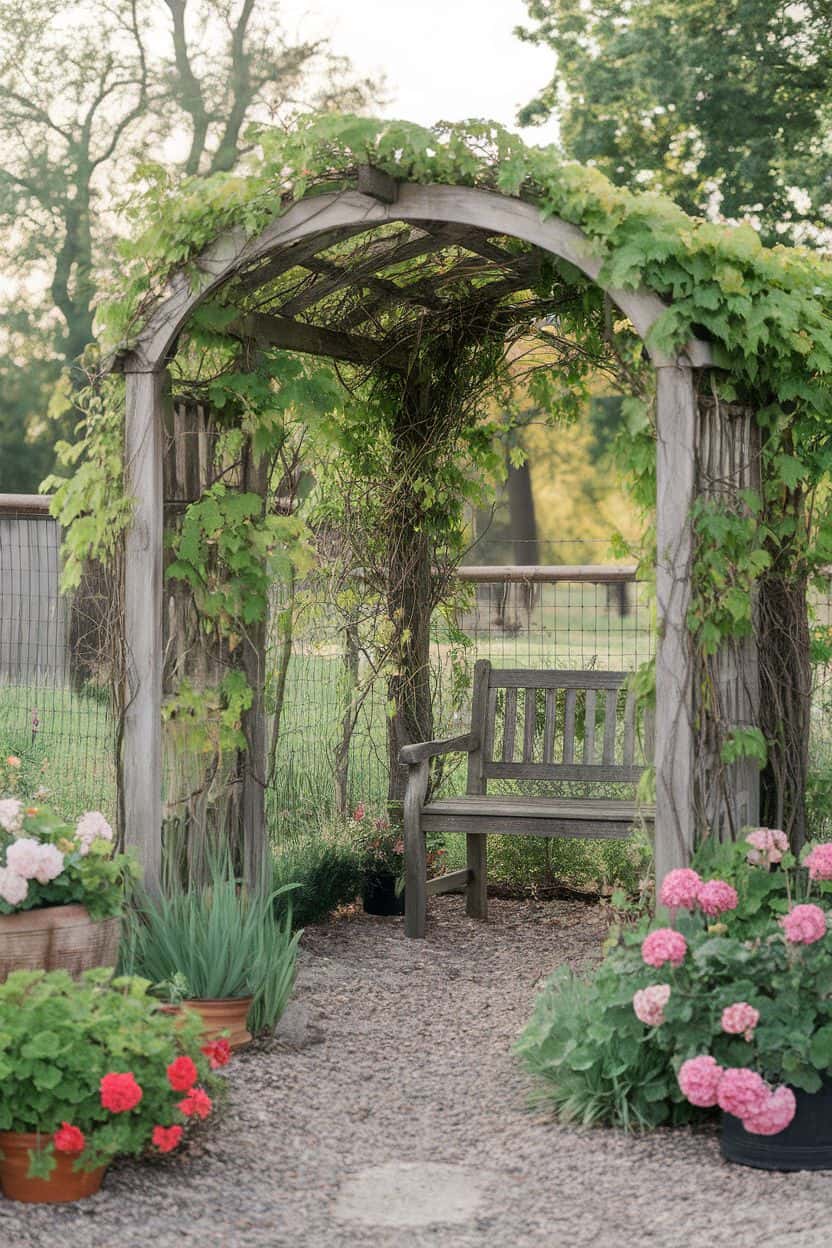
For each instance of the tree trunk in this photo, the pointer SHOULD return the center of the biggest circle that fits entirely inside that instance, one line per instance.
(523, 523)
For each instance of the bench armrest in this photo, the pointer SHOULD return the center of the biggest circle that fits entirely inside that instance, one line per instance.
(413, 754)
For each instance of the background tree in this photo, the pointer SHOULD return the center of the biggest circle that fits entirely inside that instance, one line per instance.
(85, 91)
(723, 104)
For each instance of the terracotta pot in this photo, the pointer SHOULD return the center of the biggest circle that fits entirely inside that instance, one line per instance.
(225, 1014)
(57, 938)
(63, 1184)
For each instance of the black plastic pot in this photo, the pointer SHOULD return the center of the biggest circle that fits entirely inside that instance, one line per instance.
(806, 1143)
(379, 894)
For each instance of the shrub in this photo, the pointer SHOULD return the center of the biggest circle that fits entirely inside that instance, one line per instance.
(91, 1061)
(325, 872)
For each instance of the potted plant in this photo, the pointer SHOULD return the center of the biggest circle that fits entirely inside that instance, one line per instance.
(217, 950)
(91, 1069)
(381, 850)
(62, 888)
(725, 1005)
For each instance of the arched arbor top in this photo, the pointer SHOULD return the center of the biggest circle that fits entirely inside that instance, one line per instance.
(357, 275)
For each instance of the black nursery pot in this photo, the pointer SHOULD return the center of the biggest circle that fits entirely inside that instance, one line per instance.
(806, 1143)
(379, 894)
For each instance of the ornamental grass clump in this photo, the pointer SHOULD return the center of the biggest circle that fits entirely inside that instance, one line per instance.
(96, 1070)
(728, 1006)
(214, 941)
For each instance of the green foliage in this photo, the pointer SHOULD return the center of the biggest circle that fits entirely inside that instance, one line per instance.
(710, 102)
(59, 1036)
(325, 872)
(215, 941)
(587, 1047)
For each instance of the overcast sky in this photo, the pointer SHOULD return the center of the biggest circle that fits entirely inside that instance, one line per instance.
(444, 60)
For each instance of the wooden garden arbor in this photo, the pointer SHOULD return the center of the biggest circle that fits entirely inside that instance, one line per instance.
(358, 307)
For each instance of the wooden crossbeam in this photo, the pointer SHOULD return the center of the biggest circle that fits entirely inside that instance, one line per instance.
(280, 331)
(379, 256)
(295, 255)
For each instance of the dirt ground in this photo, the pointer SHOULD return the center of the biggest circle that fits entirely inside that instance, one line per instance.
(389, 1111)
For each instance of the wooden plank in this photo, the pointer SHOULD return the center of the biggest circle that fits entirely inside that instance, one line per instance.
(613, 773)
(529, 720)
(589, 728)
(519, 805)
(479, 714)
(278, 331)
(411, 754)
(518, 678)
(472, 825)
(25, 504)
(628, 752)
(294, 256)
(490, 727)
(551, 696)
(569, 727)
(610, 725)
(509, 724)
(593, 573)
(452, 882)
(140, 771)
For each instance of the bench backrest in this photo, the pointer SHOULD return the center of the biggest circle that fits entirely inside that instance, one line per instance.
(552, 725)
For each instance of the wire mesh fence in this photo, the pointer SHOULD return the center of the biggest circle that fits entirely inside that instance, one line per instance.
(327, 700)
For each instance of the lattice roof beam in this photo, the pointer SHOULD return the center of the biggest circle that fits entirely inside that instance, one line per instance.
(289, 335)
(297, 254)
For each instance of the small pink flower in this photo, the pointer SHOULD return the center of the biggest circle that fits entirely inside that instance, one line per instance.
(775, 1115)
(91, 827)
(699, 1079)
(768, 845)
(742, 1092)
(649, 1004)
(664, 945)
(679, 888)
(359, 812)
(51, 864)
(804, 925)
(715, 896)
(740, 1019)
(819, 862)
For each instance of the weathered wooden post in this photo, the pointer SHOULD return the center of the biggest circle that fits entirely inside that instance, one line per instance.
(140, 764)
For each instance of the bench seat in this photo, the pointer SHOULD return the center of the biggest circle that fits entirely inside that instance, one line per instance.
(521, 815)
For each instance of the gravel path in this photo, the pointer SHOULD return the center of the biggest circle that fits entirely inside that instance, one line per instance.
(391, 1113)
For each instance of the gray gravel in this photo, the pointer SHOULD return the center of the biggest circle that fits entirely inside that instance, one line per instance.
(390, 1112)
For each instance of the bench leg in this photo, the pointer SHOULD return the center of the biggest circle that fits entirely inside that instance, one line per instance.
(415, 857)
(476, 896)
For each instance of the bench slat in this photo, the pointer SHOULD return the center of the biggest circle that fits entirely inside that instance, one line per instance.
(610, 704)
(509, 725)
(490, 727)
(519, 678)
(529, 721)
(589, 728)
(601, 772)
(522, 805)
(629, 729)
(569, 726)
(549, 725)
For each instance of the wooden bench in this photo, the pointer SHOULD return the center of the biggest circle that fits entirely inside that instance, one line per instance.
(566, 726)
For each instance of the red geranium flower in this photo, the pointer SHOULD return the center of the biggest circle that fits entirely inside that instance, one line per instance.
(166, 1138)
(69, 1139)
(218, 1053)
(182, 1074)
(196, 1102)
(120, 1092)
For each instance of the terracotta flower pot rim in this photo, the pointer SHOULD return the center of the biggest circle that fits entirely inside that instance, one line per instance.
(215, 1000)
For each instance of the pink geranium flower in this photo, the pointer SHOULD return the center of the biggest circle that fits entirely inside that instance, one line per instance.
(740, 1019)
(649, 1004)
(679, 889)
(664, 945)
(716, 896)
(768, 845)
(742, 1092)
(804, 924)
(775, 1115)
(699, 1079)
(819, 862)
